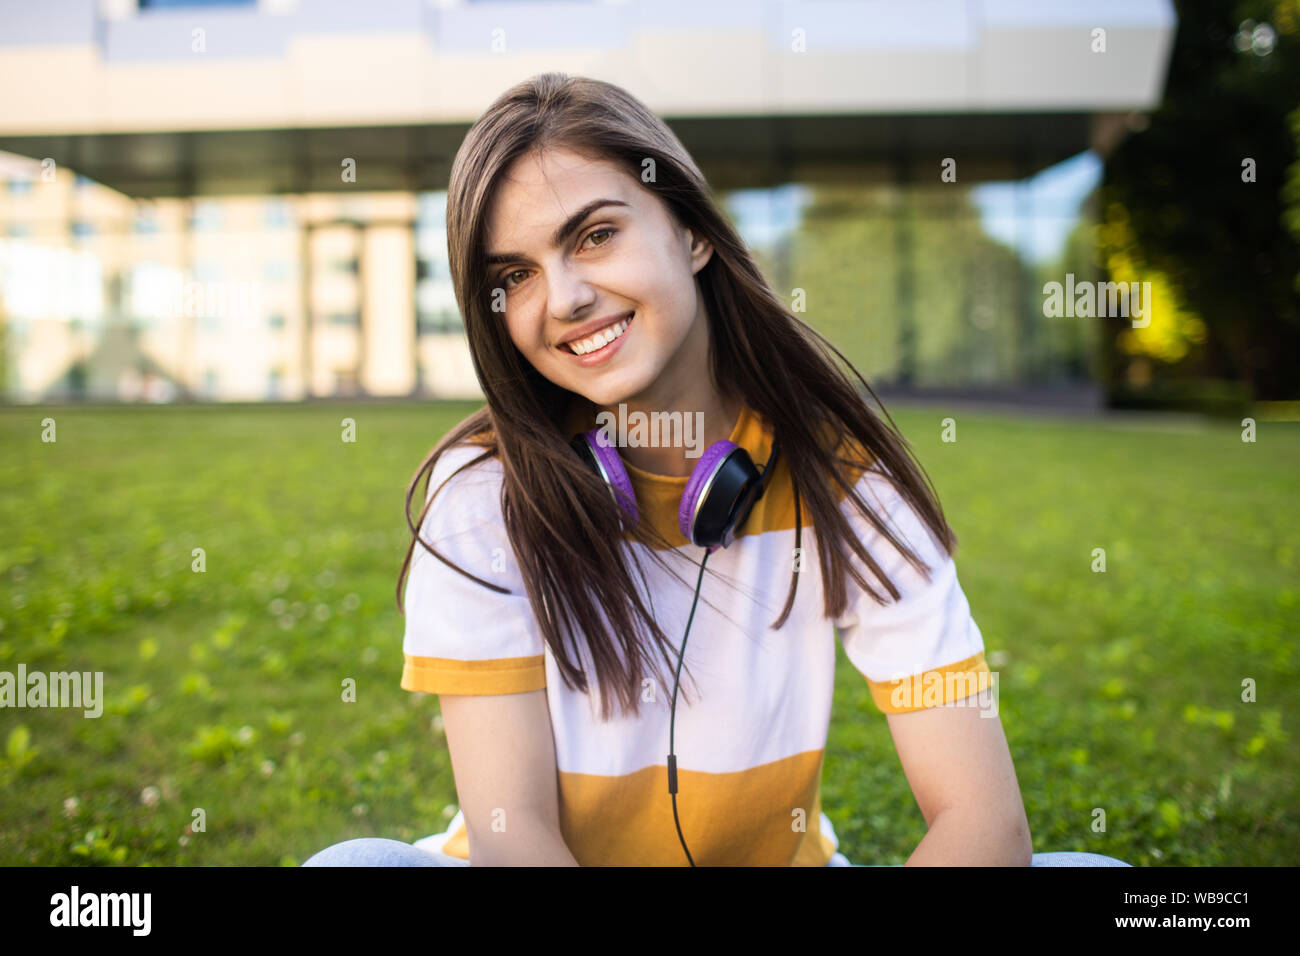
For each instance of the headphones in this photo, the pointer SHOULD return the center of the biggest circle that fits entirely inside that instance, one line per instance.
(722, 490)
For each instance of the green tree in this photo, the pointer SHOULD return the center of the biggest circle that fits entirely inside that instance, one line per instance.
(1202, 189)
(1292, 194)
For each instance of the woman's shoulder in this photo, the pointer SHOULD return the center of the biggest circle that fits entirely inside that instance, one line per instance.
(467, 463)
(854, 459)
(465, 486)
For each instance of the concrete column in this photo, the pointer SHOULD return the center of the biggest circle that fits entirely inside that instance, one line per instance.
(387, 309)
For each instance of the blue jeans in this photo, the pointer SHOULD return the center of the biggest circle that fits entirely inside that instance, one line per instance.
(377, 851)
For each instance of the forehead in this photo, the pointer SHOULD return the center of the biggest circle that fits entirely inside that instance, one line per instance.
(537, 193)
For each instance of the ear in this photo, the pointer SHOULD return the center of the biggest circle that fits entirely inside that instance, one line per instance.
(701, 251)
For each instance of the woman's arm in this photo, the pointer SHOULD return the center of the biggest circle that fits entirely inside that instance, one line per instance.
(503, 757)
(959, 767)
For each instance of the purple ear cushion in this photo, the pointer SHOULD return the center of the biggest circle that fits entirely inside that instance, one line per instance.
(609, 459)
(700, 474)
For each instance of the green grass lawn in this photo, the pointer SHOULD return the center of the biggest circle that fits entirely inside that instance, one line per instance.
(1119, 691)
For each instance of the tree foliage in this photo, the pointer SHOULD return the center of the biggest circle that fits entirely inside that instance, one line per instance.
(1200, 198)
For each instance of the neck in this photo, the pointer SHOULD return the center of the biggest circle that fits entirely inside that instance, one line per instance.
(669, 438)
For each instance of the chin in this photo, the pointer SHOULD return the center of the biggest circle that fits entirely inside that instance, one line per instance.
(620, 388)
(602, 396)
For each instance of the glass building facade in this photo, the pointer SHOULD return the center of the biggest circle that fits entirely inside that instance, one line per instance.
(273, 298)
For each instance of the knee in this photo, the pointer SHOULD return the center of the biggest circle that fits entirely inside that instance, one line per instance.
(1075, 859)
(371, 851)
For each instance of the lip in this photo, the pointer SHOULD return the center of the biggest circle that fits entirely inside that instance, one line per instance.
(600, 355)
(587, 329)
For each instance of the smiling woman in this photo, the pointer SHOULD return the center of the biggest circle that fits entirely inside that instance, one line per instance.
(597, 275)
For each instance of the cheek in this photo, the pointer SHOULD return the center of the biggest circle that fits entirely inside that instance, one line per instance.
(672, 320)
(526, 335)
(674, 299)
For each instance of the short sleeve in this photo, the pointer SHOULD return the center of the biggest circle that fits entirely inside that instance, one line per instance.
(925, 649)
(461, 637)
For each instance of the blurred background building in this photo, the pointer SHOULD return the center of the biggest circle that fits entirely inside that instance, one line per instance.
(242, 201)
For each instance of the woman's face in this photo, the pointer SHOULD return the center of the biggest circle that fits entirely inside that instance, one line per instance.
(576, 247)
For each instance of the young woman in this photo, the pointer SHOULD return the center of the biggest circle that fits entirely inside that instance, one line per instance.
(632, 637)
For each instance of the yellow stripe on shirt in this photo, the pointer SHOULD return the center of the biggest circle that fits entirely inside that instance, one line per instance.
(502, 675)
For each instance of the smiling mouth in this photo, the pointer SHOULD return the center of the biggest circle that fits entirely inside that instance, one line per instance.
(600, 339)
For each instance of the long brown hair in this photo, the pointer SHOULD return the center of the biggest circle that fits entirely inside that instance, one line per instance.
(564, 526)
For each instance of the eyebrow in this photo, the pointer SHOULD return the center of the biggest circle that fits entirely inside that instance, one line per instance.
(567, 228)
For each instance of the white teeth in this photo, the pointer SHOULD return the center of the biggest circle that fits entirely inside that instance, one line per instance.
(600, 339)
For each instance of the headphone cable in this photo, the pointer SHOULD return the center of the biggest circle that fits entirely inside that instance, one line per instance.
(672, 758)
(672, 720)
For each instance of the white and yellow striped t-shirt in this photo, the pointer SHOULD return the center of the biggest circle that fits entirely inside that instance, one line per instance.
(750, 743)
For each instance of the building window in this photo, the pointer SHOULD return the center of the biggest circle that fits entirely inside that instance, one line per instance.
(439, 322)
(276, 321)
(345, 381)
(82, 228)
(277, 214)
(206, 216)
(19, 229)
(20, 187)
(276, 270)
(207, 270)
(344, 318)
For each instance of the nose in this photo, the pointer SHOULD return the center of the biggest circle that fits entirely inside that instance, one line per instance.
(568, 293)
